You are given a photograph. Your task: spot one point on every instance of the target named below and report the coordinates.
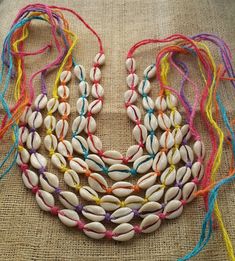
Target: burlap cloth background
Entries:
(26, 232)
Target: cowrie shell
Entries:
(160, 103)
(68, 217)
(38, 161)
(164, 121)
(122, 215)
(154, 193)
(178, 136)
(23, 134)
(82, 106)
(132, 80)
(134, 202)
(65, 76)
(147, 103)
(35, 120)
(40, 101)
(130, 96)
(95, 106)
(25, 115)
(93, 213)
(150, 223)
(52, 105)
(78, 165)
(50, 142)
(147, 180)
(150, 122)
(63, 91)
(166, 140)
(95, 74)
(143, 163)
(71, 178)
(95, 162)
(90, 125)
(88, 193)
(186, 132)
(160, 161)
(173, 156)
(119, 172)
(58, 160)
(199, 149)
(188, 191)
(183, 175)
(150, 71)
(45, 200)
(140, 133)
(172, 193)
(94, 143)
(109, 202)
(150, 208)
(80, 72)
(30, 178)
(50, 122)
(49, 182)
(123, 232)
(65, 148)
(61, 128)
(79, 124)
(133, 113)
(84, 88)
(33, 141)
(152, 144)
(64, 108)
(97, 91)
(175, 118)
(94, 230)
(79, 144)
(99, 59)
(112, 157)
(186, 154)
(197, 170)
(130, 64)
(144, 87)
(134, 152)
(122, 188)
(68, 199)
(171, 101)
(173, 209)
(168, 176)
(97, 182)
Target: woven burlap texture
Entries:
(26, 232)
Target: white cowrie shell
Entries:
(65, 76)
(52, 105)
(119, 172)
(93, 213)
(71, 178)
(197, 170)
(97, 91)
(166, 140)
(35, 120)
(155, 192)
(147, 103)
(78, 165)
(97, 182)
(132, 80)
(160, 103)
(33, 140)
(122, 188)
(88, 193)
(112, 157)
(30, 178)
(80, 72)
(50, 142)
(95, 74)
(147, 180)
(68, 217)
(171, 101)
(150, 122)
(144, 87)
(164, 121)
(58, 160)
(61, 128)
(49, 181)
(130, 64)
(25, 115)
(199, 149)
(134, 202)
(94, 230)
(160, 161)
(178, 136)
(150, 223)
(130, 96)
(64, 108)
(168, 176)
(186, 154)
(186, 132)
(79, 144)
(84, 88)
(23, 134)
(40, 101)
(68, 199)
(38, 161)
(90, 125)
(172, 193)
(143, 163)
(109, 203)
(188, 191)
(50, 122)
(173, 156)
(175, 118)
(82, 106)
(183, 175)
(134, 152)
(173, 209)
(152, 144)
(133, 113)
(45, 200)
(99, 59)
(122, 215)
(95, 162)
(150, 71)
(123, 232)
(94, 143)
(65, 148)
(63, 91)
(79, 124)
(150, 208)
(95, 106)
(140, 133)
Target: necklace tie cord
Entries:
(171, 169)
